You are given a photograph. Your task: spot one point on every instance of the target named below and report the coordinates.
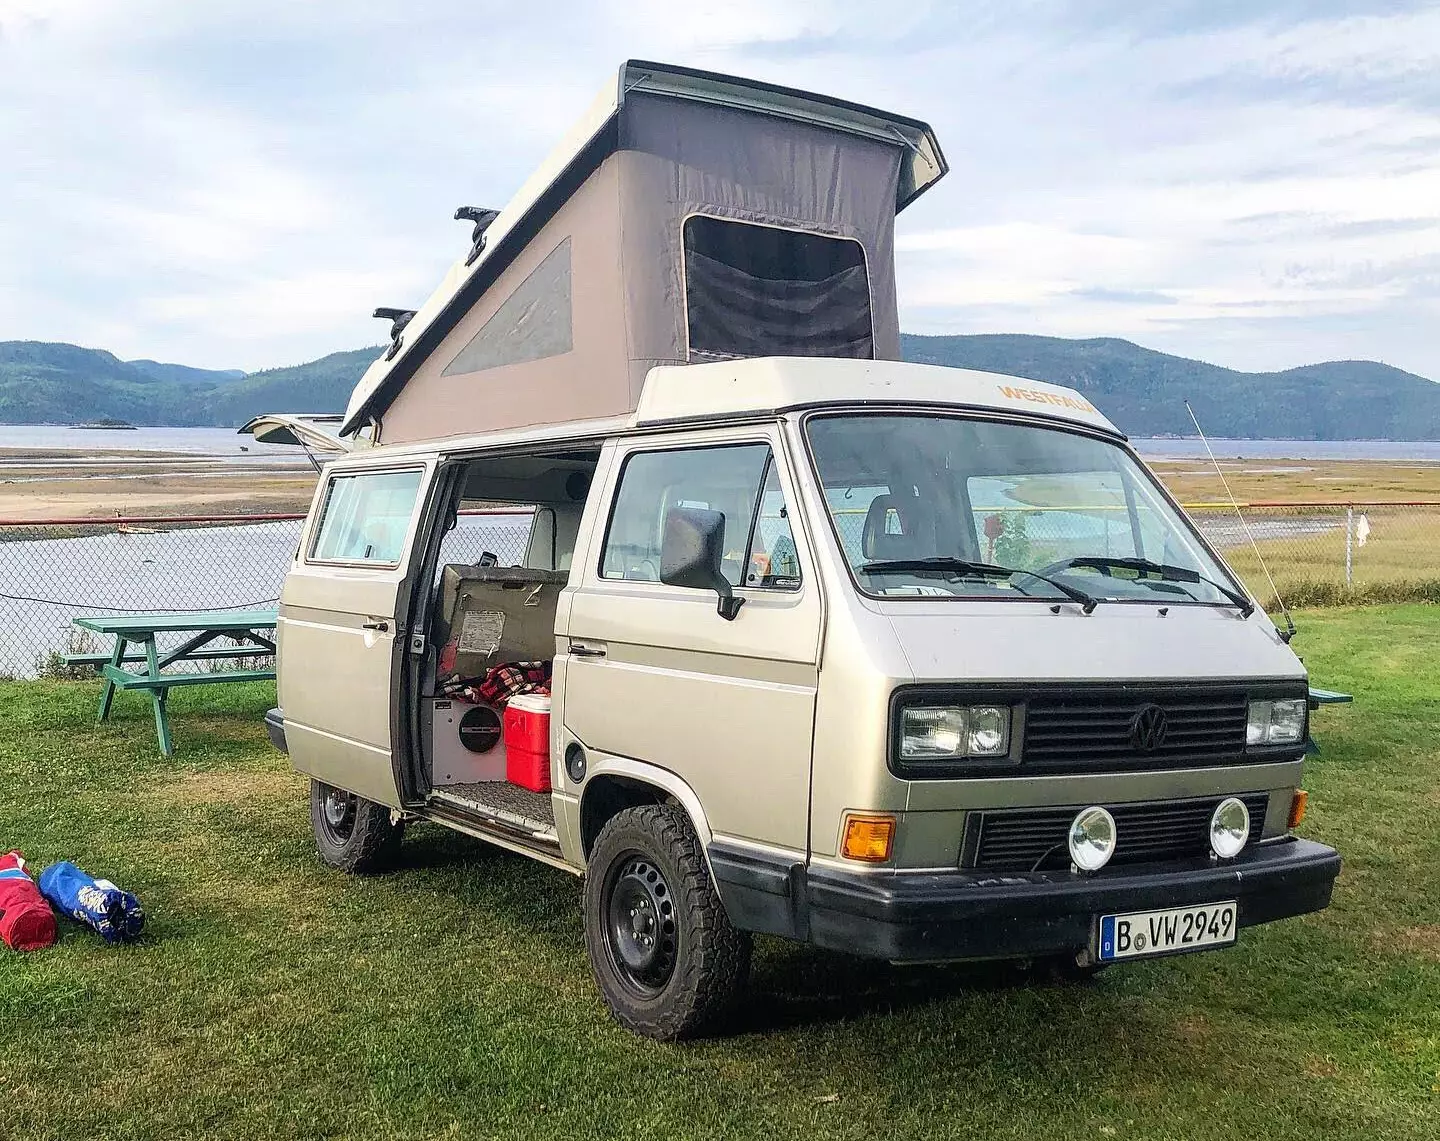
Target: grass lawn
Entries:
(451, 998)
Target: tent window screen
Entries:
(531, 324)
(755, 291)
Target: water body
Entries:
(226, 442)
(1424, 451)
(211, 442)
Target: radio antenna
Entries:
(1289, 631)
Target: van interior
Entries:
(510, 531)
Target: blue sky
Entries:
(237, 183)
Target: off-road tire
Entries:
(366, 842)
(711, 959)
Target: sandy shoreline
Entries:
(48, 483)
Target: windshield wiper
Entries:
(1164, 570)
(945, 564)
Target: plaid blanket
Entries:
(501, 683)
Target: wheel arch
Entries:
(617, 783)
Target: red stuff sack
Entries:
(26, 921)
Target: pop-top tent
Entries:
(688, 217)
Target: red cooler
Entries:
(527, 741)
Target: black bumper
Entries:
(275, 727)
(916, 916)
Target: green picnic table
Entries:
(204, 627)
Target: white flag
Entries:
(1362, 530)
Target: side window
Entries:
(365, 518)
(773, 562)
(738, 481)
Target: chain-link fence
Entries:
(1330, 553)
(1318, 553)
(52, 571)
(55, 570)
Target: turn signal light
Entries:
(868, 838)
(1298, 801)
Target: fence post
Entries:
(1349, 544)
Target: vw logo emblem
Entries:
(1147, 731)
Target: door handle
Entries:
(378, 627)
(579, 651)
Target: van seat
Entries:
(498, 614)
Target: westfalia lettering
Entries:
(1035, 397)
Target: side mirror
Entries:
(690, 554)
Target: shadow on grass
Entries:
(791, 984)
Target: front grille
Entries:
(1022, 839)
(1084, 728)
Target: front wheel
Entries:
(352, 833)
(668, 963)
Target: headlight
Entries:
(1277, 722)
(939, 732)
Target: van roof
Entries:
(774, 384)
(767, 386)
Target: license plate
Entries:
(1137, 933)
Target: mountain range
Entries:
(1141, 390)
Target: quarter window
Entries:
(739, 481)
(366, 518)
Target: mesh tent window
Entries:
(531, 324)
(754, 291)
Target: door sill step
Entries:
(494, 804)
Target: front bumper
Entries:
(922, 916)
(275, 727)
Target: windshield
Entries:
(920, 500)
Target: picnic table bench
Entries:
(204, 627)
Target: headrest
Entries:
(890, 528)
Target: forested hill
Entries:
(1144, 391)
(1141, 390)
(42, 383)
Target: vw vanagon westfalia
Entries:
(910, 662)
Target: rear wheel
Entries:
(352, 833)
(668, 963)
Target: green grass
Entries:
(451, 998)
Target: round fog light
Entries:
(1229, 827)
(1092, 839)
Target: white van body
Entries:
(769, 733)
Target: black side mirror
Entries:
(690, 554)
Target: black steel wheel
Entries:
(640, 934)
(665, 957)
(337, 814)
(352, 833)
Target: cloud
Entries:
(237, 183)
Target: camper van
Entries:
(649, 559)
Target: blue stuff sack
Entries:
(99, 904)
